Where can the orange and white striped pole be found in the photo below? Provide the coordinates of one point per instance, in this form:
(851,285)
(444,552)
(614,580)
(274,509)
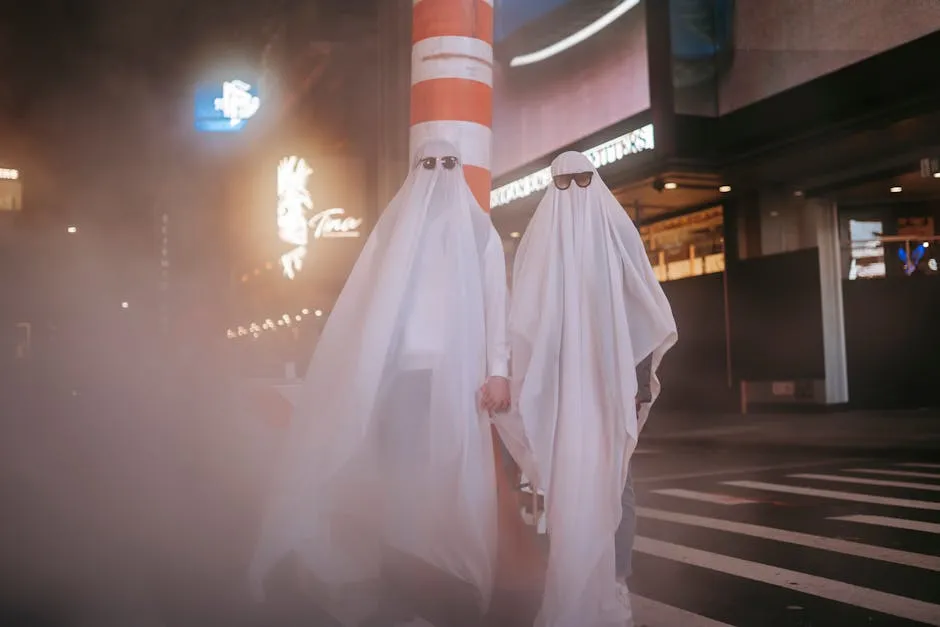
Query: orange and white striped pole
(452,83)
(452,99)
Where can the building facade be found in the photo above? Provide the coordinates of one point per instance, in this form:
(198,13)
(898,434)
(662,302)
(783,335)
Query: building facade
(779,164)
(307,191)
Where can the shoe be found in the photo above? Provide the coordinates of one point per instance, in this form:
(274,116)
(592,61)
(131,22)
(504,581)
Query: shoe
(623,597)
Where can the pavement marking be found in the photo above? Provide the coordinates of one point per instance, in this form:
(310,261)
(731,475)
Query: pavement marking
(856,549)
(930,487)
(838,591)
(838,496)
(896,523)
(747,470)
(650,613)
(895,473)
(910,465)
(692,495)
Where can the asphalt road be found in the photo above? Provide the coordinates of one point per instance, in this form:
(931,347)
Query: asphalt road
(783,537)
(789,538)
(786,539)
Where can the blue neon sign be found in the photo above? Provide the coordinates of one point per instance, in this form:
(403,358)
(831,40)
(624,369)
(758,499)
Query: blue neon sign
(225,106)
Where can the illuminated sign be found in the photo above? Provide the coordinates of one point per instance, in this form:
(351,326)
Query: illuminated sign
(634,142)
(11,190)
(226,106)
(237,102)
(297,222)
(576,38)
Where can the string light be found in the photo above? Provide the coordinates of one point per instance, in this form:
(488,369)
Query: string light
(268,266)
(255,329)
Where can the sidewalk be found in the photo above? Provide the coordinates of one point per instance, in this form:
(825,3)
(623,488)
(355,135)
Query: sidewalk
(911,431)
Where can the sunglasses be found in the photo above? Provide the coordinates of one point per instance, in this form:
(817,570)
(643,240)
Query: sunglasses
(581,179)
(448,163)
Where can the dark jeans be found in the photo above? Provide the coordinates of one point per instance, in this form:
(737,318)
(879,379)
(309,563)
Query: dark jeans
(626,532)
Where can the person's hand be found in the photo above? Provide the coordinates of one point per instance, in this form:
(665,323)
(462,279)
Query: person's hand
(495,396)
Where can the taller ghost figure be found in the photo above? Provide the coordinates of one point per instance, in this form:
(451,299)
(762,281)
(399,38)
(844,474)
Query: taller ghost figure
(587,313)
(390,448)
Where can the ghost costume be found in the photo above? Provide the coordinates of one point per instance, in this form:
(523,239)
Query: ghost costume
(586,311)
(388,446)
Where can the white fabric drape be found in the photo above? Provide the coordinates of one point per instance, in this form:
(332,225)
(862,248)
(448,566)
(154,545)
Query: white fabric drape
(387,445)
(586,309)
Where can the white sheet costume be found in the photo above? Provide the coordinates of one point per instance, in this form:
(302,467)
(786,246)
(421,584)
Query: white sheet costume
(387,445)
(586,310)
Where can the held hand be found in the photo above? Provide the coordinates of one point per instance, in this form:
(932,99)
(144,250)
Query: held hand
(495,396)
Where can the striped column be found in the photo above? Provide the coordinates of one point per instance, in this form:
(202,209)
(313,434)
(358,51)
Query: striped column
(452,99)
(452,82)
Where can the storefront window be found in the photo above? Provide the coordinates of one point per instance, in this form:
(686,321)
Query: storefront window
(911,252)
(867,253)
(687,246)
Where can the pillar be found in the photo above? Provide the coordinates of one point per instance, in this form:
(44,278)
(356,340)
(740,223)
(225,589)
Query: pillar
(452,99)
(452,83)
(833,316)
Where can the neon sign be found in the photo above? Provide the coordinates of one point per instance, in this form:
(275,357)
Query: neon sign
(225,106)
(237,103)
(296,222)
(910,264)
(634,142)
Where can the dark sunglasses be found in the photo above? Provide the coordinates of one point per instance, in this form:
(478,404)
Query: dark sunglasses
(449,163)
(581,179)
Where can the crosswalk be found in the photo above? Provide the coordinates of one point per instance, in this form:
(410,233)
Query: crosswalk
(849,545)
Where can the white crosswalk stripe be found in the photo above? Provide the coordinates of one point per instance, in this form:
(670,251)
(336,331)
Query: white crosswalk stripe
(905,558)
(833,494)
(649,613)
(896,473)
(896,523)
(758,563)
(874,600)
(875,482)
(706,497)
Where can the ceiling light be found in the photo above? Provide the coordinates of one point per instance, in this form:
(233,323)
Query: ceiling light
(125,305)
(936,175)
(670,186)
(72,229)
(896,189)
(724,189)
(798,193)
(515,235)
(318,313)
